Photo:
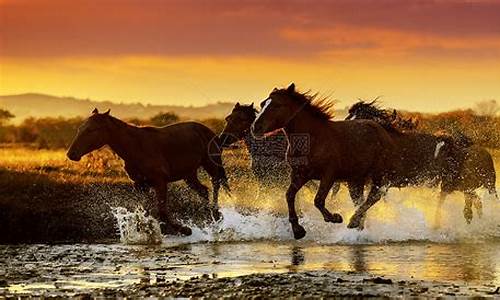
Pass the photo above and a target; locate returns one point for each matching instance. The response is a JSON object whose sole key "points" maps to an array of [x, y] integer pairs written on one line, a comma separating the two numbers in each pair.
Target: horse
{"points": [[156, 156], [268, 154], [326, 150], [452, 161], [466, 170]]}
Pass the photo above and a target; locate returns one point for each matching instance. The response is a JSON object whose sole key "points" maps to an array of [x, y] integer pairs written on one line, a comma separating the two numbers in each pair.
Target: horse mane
{"points": [[248, 109], [389, 120], [320, 107]]}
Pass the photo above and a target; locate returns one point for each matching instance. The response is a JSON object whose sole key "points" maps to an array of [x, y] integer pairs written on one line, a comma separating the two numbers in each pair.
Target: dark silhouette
{"points": [[268, 154], [155, 156], [450, 160], [466, 169], [352, 151]]}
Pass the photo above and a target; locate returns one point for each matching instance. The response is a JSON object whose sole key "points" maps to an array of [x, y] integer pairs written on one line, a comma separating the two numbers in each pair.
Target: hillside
{"points": [[40, 105]]}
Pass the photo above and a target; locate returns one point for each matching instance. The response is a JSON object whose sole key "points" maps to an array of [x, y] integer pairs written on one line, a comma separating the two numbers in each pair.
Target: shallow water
{"points": [[70, 268], [399, 241]]}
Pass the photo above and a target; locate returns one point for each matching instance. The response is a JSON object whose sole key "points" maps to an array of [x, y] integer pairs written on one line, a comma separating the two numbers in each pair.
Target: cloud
{"points": [[298, 29]]}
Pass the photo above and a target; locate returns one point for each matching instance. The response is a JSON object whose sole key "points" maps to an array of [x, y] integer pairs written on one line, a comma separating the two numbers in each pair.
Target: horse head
{"points": [[92, 135], [238, 123]]}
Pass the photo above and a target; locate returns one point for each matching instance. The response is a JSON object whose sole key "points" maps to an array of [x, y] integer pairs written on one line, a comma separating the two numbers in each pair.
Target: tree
{"points": [[162, 119], [5, 116], [488, 108]]}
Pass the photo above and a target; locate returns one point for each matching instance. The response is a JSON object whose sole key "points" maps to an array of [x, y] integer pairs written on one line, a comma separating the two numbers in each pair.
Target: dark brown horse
{"points": [[451, 160], [268, 154], [155, 156], [352, 151]]}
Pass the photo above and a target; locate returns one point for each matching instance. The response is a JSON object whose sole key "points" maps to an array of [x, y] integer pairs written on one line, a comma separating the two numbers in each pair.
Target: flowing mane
{"points": [[321, 107], [389, 120]]}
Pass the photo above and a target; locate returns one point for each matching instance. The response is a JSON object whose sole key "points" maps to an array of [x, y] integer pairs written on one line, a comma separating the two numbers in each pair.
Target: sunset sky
{"points": [[416, 55]]}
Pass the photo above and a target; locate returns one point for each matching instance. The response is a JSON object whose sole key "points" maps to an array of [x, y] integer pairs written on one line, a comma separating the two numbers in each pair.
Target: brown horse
{"points": [[352, 151], [268, 154], [155, 156]]}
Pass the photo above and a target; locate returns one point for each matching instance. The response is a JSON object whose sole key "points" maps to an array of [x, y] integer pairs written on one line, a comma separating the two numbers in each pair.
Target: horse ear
{"points": [[251, 105], [291, 87], [95, 111], [107, 112], [275, 90], [237, 104]]}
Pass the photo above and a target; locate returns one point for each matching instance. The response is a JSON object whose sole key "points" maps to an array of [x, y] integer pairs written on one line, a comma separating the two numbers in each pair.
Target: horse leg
{"points": [[194, 183], [437, 218], [297, 182], [473, 198], [356, 192], [469, 197], [478, 204], [165, 217], [373, 197], [335, 189], [319, 201]]}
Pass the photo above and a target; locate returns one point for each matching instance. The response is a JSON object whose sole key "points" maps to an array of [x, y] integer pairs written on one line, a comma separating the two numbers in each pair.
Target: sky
{"points": [[416, 55]]}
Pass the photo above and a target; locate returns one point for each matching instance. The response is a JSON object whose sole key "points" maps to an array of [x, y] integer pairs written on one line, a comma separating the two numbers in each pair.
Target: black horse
{"points": [[452, 161]]}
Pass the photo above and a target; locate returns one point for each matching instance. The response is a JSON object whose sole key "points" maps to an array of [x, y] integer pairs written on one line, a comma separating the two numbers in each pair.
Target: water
{"points": [[400, 241]]}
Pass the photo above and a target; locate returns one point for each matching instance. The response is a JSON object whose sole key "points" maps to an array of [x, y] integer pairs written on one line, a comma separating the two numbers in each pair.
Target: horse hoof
{"points": [[298, 232], [354, 223], [335, 218], [185, 230]]}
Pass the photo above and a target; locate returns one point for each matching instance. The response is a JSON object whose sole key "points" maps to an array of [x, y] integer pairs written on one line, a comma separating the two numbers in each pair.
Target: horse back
{"points": [[355, 149]]}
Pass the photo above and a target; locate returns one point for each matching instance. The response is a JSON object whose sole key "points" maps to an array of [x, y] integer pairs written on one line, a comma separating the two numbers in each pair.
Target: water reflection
{"points": [[86, 266], [357, 258]]}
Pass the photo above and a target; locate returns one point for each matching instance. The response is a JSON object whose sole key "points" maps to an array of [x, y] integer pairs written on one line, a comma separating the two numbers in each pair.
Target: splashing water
{"points": [[137, 228], [404, 215]]}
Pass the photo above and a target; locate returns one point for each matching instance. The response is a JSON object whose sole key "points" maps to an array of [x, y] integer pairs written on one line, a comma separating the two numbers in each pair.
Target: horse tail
{"points": [[491, 177], [490, 185]]}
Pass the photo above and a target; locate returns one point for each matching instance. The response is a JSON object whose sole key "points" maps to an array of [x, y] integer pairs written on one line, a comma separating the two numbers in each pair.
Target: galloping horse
{"points": [[453, 161], [155, 156], [268, 154], [352, 151]]}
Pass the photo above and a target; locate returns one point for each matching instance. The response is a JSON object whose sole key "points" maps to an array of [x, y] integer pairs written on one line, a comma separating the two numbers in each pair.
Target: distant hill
{"points": [[40, 105]]}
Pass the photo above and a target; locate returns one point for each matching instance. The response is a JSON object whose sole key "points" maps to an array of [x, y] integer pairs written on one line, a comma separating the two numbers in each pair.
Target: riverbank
{"points": [[313, 284]]}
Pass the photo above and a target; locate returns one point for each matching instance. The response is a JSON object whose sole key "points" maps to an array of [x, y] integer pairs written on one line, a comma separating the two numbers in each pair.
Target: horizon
{"points": [[427, 56]]}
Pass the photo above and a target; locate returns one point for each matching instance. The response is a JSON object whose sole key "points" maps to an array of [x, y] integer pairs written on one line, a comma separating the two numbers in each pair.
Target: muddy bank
{"points": [[305, 284], [38, 208]]}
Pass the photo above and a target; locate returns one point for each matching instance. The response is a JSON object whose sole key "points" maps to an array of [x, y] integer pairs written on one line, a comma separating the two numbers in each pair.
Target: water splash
{"points": [[404, 215], [136, 227]]}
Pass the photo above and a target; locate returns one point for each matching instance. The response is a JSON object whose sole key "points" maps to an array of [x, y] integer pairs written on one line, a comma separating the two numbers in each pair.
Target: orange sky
{"points": [[418, 55]]}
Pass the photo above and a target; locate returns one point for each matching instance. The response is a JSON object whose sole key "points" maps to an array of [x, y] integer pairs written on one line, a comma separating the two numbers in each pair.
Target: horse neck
{"points": [[304, 123], [123, 137]]}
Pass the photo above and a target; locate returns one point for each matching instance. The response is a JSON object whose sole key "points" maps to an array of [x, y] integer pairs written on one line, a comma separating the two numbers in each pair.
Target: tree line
{"points": [[482, 124]]}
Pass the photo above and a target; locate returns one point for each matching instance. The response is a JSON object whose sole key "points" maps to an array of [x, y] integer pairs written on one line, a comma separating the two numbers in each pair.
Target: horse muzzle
{"points": [[73, 156], [227, 139]]}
